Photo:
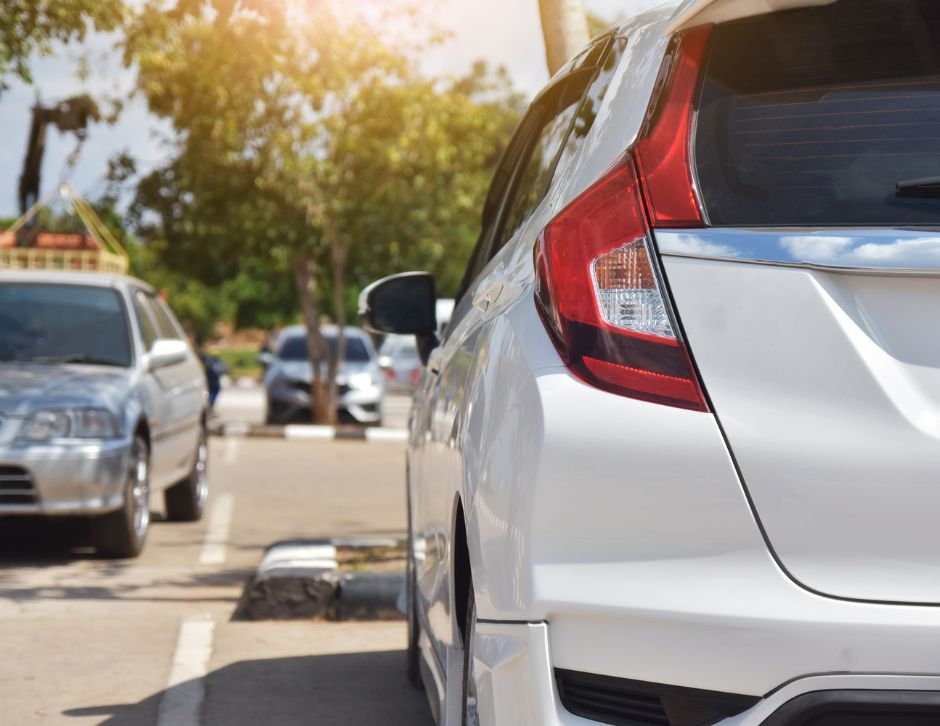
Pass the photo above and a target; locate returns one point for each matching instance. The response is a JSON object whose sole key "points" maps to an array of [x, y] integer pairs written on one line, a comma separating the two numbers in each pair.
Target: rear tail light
{"points": [[598, 284]]}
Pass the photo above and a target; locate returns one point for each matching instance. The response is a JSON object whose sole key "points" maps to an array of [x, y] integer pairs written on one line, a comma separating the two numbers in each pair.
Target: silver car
{"points": [[399, 360], [288, 377], [101, 401]]}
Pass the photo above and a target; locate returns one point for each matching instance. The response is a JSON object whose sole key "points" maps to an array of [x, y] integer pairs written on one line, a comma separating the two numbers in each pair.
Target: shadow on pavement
{"points": [[359, 689], [37, 541]]}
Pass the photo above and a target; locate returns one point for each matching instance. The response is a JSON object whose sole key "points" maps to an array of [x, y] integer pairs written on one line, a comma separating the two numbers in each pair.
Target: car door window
{"points": [[165, 325], [559, 113], [528, 167], [607, 63], [148, 328]]}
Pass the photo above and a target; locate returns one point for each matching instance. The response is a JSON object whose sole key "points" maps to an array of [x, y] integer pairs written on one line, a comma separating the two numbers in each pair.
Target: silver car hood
{"points": [[26, 387]]}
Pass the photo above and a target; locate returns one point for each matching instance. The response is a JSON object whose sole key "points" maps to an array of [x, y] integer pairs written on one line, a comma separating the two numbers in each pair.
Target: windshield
{"points": [[44, 323], [294, 348]]}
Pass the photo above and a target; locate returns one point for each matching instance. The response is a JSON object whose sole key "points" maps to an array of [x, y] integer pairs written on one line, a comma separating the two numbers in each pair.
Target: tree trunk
{"points": [[338, 255], [565, 29], [306, 282]]}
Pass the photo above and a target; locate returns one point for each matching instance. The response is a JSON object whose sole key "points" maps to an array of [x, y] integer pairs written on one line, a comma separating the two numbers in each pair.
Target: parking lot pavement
{"points": [[151, 641]]}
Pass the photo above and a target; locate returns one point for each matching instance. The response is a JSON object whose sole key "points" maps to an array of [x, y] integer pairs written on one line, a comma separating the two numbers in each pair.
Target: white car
{"points": [[677, 458]]}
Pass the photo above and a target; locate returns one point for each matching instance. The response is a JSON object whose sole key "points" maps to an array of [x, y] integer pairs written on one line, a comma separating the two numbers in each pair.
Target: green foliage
{"points": [[28, 26], [241, 362], [299, 128]]}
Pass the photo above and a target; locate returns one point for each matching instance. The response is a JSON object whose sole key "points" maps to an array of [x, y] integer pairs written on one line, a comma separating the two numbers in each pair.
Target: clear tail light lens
{"points": [[627, 292], [598, 285]]}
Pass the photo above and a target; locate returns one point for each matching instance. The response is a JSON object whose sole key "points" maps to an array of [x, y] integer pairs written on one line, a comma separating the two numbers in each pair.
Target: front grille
{"points": [[16, 486], [637, 703]]}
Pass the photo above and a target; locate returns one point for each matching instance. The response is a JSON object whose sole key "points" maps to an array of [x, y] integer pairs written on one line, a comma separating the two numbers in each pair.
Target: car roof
{"points": [[61, 277]]}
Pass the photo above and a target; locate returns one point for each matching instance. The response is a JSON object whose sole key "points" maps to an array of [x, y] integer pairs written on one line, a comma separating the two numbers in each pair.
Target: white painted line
{"points": [[182, 701], [237, 428], [231, 450], [386, 434], [220, 519], [302, 431]]}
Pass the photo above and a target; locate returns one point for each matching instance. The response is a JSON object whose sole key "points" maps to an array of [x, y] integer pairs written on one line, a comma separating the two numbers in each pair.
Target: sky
{"points": [[515, 42]]}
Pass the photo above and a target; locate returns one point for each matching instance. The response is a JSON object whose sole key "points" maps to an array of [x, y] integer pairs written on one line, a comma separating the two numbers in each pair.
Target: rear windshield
{"points": [[813, 116], [295, 348], [42, 323]]}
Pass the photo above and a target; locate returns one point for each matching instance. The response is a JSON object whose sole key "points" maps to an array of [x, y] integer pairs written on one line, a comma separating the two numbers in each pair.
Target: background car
{"points": [[399, 360], [101, 400], [675, 460], [288, 377]]}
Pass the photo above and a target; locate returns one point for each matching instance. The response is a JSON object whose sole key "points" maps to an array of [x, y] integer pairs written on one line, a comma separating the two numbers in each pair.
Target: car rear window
{"points": [[812, 116]]}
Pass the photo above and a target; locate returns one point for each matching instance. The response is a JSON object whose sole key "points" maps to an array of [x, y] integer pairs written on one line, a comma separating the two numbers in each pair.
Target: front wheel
{"points": [[122, 533], [471, 716], [186, 501], [413, 654]]}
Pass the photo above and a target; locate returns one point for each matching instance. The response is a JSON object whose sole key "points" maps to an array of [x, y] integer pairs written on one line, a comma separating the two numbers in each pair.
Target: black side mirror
{"points": [[403, 304]]}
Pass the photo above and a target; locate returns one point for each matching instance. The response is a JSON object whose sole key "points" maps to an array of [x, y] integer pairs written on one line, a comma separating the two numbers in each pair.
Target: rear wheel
{"points": [[122, 533], [186, 501]]}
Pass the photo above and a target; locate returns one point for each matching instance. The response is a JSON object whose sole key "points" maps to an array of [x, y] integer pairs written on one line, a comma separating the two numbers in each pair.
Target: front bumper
{"points": [[63, 479], [516, 683], [287, 403]]}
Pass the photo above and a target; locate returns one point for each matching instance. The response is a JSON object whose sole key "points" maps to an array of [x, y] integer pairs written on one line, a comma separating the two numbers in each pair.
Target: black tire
{"points": [[186, 500], [413, 654], [122, 533], [469, 629]]}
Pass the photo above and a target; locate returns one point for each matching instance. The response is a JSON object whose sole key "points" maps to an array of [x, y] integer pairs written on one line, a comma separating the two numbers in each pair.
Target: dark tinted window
{"points": [[812, 116], [295, 348], [63, 323], [549, 131]]}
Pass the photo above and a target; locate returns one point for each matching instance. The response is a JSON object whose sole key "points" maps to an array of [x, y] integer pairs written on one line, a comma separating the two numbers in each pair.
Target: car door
{"points": [[157, 404], [164, 386], [188, 398], [437, 465]]}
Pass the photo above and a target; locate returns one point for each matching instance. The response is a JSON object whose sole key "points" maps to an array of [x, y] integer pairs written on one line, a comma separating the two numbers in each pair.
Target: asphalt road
{"points": [[151, 641]]}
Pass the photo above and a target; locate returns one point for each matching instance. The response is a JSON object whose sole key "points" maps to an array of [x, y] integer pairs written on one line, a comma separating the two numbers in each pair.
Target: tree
{"points": [[565, 29], [28, 26], [307, 144]]}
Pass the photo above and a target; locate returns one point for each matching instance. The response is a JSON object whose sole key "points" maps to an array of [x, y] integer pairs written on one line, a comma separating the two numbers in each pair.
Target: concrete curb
{"points": [[299, 579], [303, 432]]}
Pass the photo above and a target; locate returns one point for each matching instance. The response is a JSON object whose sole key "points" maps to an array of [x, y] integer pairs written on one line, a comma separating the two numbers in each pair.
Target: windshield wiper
{"points": [[926, 188], [76, 358]]}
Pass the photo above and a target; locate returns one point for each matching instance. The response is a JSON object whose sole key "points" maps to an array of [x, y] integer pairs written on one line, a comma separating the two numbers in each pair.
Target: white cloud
{"points": [[812, 248], [690, 244]]}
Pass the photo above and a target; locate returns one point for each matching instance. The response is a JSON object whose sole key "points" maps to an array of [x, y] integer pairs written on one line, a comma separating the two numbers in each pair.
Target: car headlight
{"points": [[74, 423], [361, 380]]}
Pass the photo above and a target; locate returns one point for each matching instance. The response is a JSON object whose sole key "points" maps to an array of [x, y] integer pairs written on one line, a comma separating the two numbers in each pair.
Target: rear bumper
{"points": [[516, 683], [66, 479]]}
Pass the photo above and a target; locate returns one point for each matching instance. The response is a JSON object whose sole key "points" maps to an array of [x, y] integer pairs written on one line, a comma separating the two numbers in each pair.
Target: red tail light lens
{"points": [[598, 286], [663, 155]]}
